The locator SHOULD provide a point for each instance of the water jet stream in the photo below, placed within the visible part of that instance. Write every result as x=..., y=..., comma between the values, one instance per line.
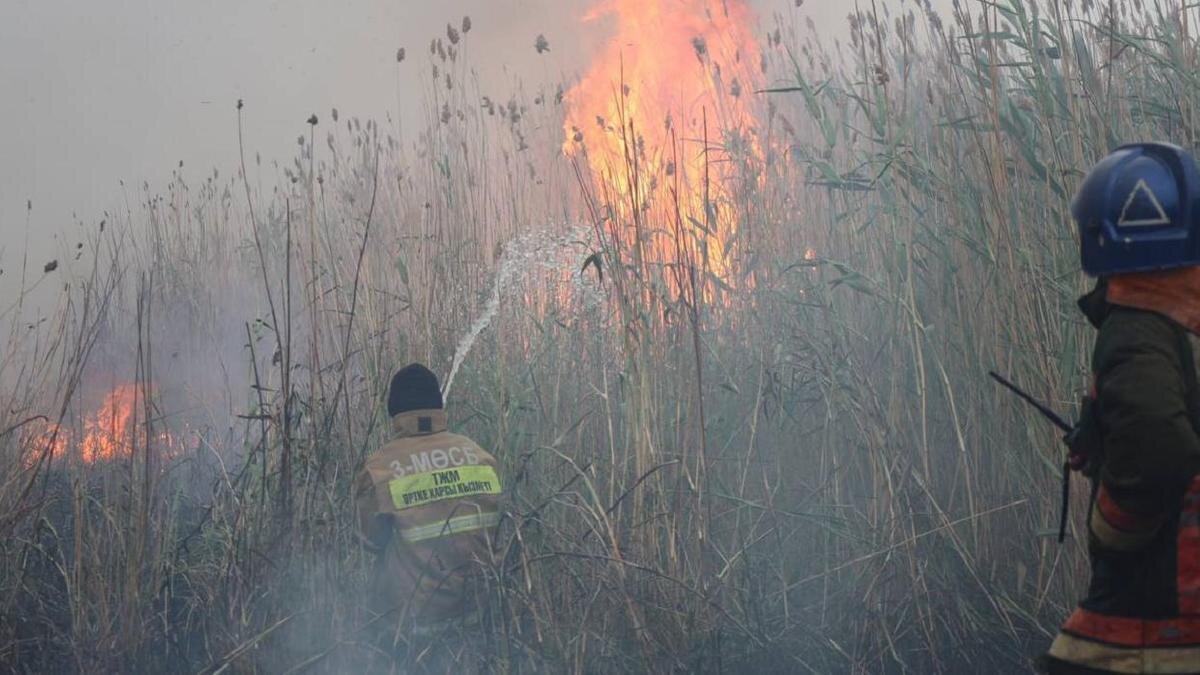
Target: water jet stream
x=545, y=248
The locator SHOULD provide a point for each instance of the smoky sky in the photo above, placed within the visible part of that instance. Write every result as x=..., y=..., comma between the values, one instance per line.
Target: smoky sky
x=93, y=94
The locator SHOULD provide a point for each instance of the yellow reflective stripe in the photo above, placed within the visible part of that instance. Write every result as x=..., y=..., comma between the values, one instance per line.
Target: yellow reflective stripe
x=1161, y=660
x=434, y=486
x=445, y=528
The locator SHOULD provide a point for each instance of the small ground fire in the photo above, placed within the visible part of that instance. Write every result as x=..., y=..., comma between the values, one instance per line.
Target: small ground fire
x=112, y=430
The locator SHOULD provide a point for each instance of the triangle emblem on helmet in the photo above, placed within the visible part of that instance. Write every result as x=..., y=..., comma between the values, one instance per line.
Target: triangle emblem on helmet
x=1143, y=208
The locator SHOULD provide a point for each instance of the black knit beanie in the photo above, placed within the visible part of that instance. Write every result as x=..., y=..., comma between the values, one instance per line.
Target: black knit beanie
x=414, y=387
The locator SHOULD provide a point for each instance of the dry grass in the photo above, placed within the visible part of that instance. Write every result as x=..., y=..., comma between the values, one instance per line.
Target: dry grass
x=803, y=471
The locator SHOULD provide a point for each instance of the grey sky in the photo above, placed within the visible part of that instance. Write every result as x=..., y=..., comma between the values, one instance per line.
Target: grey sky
x=92, y=93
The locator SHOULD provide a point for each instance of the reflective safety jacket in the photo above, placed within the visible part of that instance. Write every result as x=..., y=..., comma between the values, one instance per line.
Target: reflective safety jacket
x=1142, y=610
x=428, y=504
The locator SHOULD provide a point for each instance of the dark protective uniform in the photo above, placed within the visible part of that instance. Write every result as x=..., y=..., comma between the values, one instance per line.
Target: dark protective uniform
x=1142, y=610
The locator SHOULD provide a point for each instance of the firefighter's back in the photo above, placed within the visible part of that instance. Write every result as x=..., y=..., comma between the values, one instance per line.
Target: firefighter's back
x=430, y=501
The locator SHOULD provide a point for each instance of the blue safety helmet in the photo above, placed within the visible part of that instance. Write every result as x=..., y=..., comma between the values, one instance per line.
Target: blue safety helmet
x=1137, y=211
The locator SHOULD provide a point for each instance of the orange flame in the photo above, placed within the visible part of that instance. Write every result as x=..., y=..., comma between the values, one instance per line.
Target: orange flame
x=674, y=77
x=41, y=438
x=109, y=432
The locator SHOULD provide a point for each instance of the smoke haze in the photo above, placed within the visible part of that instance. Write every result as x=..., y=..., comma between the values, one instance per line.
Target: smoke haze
x=101, y=98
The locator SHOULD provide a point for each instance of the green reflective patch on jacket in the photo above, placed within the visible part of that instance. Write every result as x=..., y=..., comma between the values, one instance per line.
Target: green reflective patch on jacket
x=434, y=486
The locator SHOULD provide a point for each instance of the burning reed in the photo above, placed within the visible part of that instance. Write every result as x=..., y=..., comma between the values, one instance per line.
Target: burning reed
x=766, y=447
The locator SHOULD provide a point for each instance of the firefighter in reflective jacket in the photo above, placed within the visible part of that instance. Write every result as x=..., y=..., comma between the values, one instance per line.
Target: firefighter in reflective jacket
x=1139, y=218
x=427, y=503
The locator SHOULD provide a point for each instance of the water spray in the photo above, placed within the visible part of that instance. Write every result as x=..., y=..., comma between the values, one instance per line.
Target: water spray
x=542, y=247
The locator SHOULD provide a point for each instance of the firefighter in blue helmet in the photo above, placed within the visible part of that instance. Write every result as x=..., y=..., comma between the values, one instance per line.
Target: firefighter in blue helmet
x=1138, y=214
